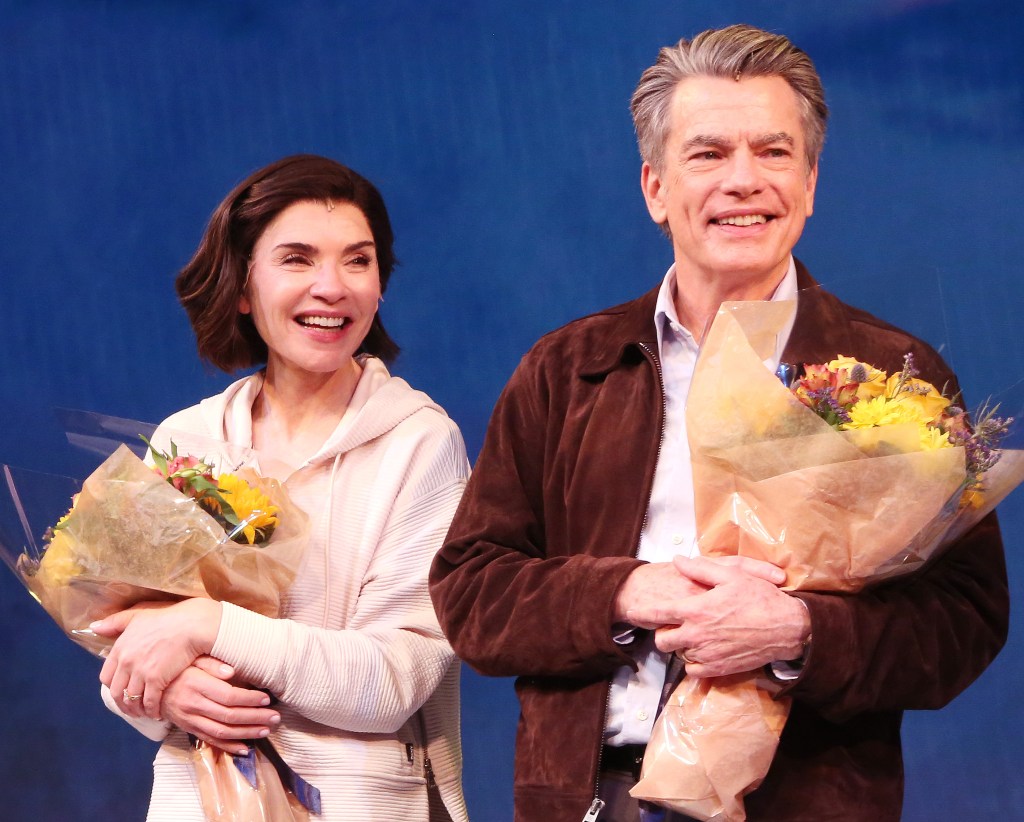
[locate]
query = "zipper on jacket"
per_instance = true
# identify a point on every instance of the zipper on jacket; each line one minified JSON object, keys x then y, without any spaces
{"x":597,"y":804}
{"x":428,"y":770}
{"x":595,"y":808}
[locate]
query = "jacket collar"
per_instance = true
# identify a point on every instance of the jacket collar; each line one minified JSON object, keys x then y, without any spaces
{"x":821,"y":325}
{"x":632,"y":325}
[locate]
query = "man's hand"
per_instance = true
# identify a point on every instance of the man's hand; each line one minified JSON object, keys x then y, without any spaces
{"x":203,"y":702}
{"x":653,"y":594}
{"x":738,"y":623}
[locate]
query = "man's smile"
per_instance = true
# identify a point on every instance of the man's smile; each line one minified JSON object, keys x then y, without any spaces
{"x":743,"y":219}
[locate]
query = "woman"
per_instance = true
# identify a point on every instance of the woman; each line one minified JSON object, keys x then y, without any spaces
{"x":290,"y":273}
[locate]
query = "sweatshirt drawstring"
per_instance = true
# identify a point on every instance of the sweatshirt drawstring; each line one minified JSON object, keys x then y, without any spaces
{"x":327,"y":541}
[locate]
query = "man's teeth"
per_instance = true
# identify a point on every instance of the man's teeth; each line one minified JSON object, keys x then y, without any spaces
{"x":745,"y":219}
{"x":324,"y":322}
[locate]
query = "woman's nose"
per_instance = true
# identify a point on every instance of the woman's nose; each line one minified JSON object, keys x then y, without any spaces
{"x":330,"y":282}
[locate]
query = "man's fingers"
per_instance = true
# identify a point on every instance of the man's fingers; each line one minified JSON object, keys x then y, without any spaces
{"x":763,"y":569}
{"x":671,"y":639}
{"x":711,"y":572}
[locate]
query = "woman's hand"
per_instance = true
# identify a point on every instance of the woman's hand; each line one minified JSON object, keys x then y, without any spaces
{"x":155,"y":642}
{"x":203,"y":702}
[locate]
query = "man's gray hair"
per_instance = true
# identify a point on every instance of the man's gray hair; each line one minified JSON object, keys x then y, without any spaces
{"x":734,"y":52}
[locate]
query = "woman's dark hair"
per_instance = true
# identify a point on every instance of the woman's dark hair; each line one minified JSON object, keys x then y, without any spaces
{"x":211,"y":285}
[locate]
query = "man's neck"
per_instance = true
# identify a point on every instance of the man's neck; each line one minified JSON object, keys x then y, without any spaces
{"x":698,"y":296}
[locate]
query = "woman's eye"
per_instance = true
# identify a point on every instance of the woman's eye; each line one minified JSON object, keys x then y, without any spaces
{"x":296,"y":259}
{"x":360,"y":261}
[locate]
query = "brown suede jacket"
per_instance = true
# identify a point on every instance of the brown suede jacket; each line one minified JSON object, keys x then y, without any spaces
{"x":548,"y":530}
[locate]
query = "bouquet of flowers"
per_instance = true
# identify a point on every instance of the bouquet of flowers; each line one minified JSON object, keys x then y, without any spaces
{"x":136,"y":533}
{"x":849,"y":477}
{"x":176,"y":529}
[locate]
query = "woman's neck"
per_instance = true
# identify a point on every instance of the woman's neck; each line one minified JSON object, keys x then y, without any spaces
{"x":295,"y":412}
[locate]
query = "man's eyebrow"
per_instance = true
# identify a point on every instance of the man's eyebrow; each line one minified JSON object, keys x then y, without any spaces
{"x":707,"y":141}
{"x":718,"y":141}
{"x":776,"y":137}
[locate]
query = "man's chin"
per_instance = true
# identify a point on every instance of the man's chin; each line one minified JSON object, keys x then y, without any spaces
{"x":745,"y":274}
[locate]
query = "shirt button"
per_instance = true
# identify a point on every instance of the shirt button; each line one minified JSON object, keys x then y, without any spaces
{"x":677,"y":540}
{"x":641,"y":715}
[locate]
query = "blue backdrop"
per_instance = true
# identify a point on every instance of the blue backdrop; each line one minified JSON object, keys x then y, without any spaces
{"x":500,"y":136}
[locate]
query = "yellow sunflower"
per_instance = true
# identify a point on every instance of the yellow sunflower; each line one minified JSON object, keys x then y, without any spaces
{"x":251,"y":505}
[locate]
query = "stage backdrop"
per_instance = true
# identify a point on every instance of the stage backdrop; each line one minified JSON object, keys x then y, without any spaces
{"x":500,"y":136}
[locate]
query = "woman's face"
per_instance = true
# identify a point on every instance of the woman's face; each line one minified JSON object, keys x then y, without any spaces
{"x":313,"y":286}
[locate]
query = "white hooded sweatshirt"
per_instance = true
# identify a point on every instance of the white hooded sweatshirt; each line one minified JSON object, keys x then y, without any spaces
{"x":357,"y":661}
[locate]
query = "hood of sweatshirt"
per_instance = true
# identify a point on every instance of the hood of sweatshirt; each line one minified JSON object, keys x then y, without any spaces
{"x":380,"y":402}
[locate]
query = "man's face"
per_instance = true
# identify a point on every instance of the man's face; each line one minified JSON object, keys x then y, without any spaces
{"x":735,"y":188}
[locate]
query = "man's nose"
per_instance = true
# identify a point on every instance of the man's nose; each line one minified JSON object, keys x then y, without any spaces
{"x":743,"y":176}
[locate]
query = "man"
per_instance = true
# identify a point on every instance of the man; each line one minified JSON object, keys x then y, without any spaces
{"x":562,"y":557}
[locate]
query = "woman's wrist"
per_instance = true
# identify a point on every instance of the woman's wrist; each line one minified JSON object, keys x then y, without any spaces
{"x":206,"y":615}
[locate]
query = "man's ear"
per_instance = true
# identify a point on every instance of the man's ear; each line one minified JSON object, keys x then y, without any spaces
{"x":650,"y":184}
{"x":810,"y":186}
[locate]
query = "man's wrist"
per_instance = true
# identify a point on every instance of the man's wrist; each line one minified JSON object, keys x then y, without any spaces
{"x":804,"y":636}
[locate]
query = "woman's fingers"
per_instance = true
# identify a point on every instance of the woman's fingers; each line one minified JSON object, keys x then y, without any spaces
{"x":133,"y":698}
{"x":127,"y":691}
{"x":155,"y":643}
{"x":113,"y":625}
{"x":214,"y":667}
{"x":203,"y":704}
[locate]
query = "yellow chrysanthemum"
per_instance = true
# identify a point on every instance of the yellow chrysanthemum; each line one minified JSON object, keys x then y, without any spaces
{"x":252,"y":506}
{"x":873,"y":386}
{"x":882,"y":411}
{"x":64,"y":519}
{"x":58,"y":564}
{"x":933,"y":438}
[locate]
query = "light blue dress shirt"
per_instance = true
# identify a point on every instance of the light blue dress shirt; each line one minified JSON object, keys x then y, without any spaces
{"x":670,"y":528}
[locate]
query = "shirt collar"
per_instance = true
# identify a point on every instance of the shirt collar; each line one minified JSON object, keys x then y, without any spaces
{"x":665,"y":307}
